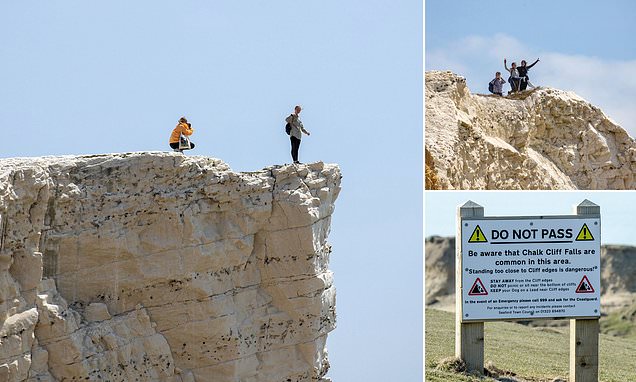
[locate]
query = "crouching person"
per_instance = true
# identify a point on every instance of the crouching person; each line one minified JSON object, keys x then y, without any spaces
{"x":183,"y":128}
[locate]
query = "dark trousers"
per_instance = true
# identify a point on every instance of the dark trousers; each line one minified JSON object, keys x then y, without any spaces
{"x":524,"y":83}
{"x":514,"y":84}
{"x":295,"y":143}
{"x":175,"y":145}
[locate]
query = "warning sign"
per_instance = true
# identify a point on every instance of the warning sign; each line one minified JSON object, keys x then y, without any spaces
{"x":584,"y":286}
{"x":477,"y":236}
{"x":478,"y":289}
{"x":528,"y":267}
{"x":584,"y":234}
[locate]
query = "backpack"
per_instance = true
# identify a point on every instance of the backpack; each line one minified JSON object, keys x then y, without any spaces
{"x":288,"y":127}
{"x":491,"y":87}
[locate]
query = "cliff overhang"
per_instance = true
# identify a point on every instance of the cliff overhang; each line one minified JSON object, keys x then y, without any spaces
{"x":164,"y":267}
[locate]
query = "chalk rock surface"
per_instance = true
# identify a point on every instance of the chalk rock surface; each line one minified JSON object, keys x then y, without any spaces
{"x":542,"y":138}
{"x":164,"y":267}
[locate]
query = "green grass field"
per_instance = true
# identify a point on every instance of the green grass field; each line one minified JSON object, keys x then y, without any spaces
{"x":621,"y":323}
{"x":533,"y":354}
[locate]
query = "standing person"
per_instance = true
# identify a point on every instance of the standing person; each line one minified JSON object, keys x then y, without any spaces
{"x":183,"y":127}
{"x":497,"y":84}
{"x":296,"y":133}
{"x":514,"y":77}
{"x":523,"y":73}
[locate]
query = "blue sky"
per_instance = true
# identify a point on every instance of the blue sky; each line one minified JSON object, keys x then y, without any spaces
{"x":617,"y":209}
{"x":584,"y":46}
{"x":99,"y":77}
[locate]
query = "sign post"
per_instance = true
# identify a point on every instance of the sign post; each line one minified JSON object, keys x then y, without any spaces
{"x":584,"y":333}
{"x":469,"y":336}
{"x":529,"y":267}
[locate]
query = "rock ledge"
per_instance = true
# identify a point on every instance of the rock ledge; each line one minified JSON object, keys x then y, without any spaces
{"x":538,"y":139}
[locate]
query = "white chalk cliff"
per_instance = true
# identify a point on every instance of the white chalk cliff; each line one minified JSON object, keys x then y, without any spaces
{"x":538,"y":139}
{"x":164,"y":267}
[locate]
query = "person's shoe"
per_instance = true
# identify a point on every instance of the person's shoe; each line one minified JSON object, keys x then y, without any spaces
{"x":296,"y":162}
{"x":176,"y":150}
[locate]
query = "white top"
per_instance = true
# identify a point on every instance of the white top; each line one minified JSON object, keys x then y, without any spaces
{"x":513,"y":71}
{"x":297,"y":128}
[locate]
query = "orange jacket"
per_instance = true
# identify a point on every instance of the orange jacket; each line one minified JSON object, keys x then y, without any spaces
{"x":182,"y":128}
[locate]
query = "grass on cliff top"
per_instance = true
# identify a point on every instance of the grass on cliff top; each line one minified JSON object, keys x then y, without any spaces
{"x":532,"y":354}
{"x":621,"y":323}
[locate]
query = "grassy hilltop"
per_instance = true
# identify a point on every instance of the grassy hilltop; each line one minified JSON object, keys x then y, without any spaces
{"x":517,"y":352}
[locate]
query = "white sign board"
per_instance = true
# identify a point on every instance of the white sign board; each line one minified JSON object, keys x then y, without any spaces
{"x":530,"y":267}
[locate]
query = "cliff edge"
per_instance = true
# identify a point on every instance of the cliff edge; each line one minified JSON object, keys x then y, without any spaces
{"x":163,"y":267}
{"x":542,"y":138}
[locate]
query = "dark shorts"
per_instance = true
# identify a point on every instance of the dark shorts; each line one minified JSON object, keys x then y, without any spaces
{"x":175,"y":145}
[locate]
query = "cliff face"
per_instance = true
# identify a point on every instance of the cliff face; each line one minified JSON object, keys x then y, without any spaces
{"x":162,"y":267}
{"x":618,"y":274}
{"x":538,"y":139}
{"x":439,"y":264}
